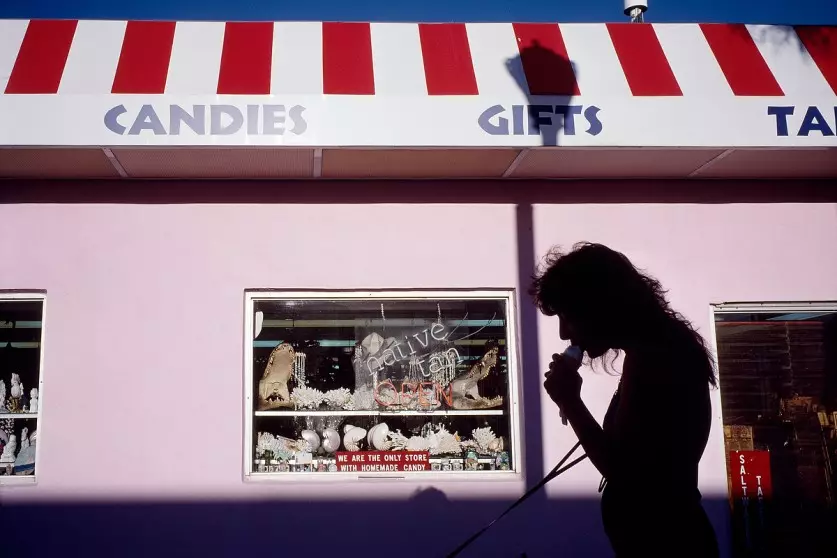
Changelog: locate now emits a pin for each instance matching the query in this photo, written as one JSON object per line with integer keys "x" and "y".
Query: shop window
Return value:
{"x": 386, "y": 384}
{"x": 777, "y": 368}
{"x": 21, "y": 357}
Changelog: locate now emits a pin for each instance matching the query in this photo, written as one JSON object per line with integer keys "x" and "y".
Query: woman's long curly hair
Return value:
{"x": 599, "y": 283}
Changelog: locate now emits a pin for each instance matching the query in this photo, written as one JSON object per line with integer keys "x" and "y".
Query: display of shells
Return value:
{"x": 331, "y": 440}
{"x": 311, "y": 439}
{"x": 353, "y": 435}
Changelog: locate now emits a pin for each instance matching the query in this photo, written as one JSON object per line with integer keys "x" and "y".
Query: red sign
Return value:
{"x": 750, "y": 475}
{"x": 751, "y": 491}
{"x": 382, "y": 461}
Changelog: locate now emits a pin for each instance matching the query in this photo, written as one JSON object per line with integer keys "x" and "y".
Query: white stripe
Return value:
{"x": 297, "y": 65}
{"x": 789, "y": 61}
{"x": 195, "y": 58}
{"x": 94, "y": 55}
{"x": 692, "y": 61}
{"x": 597, "y": 68}
{"x": 496, "y": 59}
{"x": 397, "y": 59}
{"x": 11, "y": 37}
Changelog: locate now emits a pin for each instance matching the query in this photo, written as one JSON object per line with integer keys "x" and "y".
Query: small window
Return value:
{"x": 392, "y": 384}
{"x": 777, "y": 370}
{"x": 21, "y": 358}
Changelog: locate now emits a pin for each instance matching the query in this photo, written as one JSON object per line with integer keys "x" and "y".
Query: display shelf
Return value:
{"x": 438, "y": 413}
{"x": 18, "y": 416}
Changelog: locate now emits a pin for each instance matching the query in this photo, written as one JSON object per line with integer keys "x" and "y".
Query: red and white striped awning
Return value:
{"x": 291, "y": 58}
{"x": 324, "y": 85}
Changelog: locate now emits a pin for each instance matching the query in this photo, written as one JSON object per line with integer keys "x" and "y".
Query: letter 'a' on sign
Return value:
{"x": 405, "y": 383}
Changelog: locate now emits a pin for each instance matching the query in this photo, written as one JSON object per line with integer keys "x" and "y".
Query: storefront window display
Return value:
{"x": 21, "y": 355}
{"x": 380, "y": 383}
{"x": 777, "y": 370}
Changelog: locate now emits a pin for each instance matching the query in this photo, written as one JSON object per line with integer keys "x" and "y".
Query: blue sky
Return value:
{"x": 740, "y": 11}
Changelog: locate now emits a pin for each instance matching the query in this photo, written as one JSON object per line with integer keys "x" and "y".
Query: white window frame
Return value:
{"x": 39, "y": 296}
{"x": 513, "y": 370}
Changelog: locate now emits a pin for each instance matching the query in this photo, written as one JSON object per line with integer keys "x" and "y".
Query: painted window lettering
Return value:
{"x": 813, "y": 121}
{"x": 529, "y": 119}
{"x": 215, "y": 120}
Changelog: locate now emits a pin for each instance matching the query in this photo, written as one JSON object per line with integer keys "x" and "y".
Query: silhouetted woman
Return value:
{"x": 656, "y": 428}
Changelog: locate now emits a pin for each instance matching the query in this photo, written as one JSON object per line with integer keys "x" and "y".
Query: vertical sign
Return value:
{"x": 752, "y": 490}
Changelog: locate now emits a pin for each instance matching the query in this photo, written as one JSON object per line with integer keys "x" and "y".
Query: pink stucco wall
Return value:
{"x": 143, "y": 369}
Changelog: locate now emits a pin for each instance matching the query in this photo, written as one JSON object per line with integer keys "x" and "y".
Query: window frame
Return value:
{"x": 740, "y": 307}
{"x": 508, "y": 295}
{"x": 40, "y": 296}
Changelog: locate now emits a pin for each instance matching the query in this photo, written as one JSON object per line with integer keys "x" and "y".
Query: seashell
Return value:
{"x": 347, "y": 428}
{"x": 378, "y": 437}
{"x": 312, "y": 439}
{"x": 331, "y": 440}
{"x": 352, "y": 437}
{"x": 369, "y": 434}
{"x": 496, "y": 444}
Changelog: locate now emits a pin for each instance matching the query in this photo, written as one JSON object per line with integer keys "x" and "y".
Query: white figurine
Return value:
{"x": 24, "y": 439}
{"x": 33, "y": 400}
{"x": 17, "y": 387}
{"x": 9, "y": 451}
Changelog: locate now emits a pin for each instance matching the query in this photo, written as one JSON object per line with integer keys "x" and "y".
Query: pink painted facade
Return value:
{"x": 143, "y": 369}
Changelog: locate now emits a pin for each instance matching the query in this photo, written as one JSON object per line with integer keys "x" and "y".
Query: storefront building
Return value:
{"x": 263, "y": 284}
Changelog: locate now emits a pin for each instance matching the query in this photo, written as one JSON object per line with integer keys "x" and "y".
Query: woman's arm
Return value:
{"x": 589, "y": 433}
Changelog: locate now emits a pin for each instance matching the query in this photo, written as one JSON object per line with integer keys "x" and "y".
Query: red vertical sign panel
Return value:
{"x": 752, "y": 489}
{"x": 750, "y": 474}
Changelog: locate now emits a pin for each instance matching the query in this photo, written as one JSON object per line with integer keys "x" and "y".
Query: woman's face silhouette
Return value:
{"x": 583, "y": 333}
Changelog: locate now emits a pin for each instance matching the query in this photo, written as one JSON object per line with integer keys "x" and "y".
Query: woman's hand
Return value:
{"x": 563, "y": 382}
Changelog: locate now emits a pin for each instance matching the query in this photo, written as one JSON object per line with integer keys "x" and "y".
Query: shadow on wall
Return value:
{"x": 548, "y": 80}
{"x": 421, "y": 527}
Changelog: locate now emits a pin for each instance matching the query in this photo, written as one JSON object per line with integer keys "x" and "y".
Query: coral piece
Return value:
{"x": 306, "y": 398}
{"x": 362, "y": 400}
{"x": 398, "y": 440}
{"x": 443, "y": 442}
{"x": 337, "y": 398}
{"x": 482, "y": 439}
{"x": 417, "y": 443}
{"x": 282, "y": 448}
{"x": 273, "y": 387}
{"x": 465, "y": 389}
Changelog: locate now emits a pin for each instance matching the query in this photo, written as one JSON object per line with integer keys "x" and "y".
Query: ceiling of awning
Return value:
{"x": 291, "y": 163}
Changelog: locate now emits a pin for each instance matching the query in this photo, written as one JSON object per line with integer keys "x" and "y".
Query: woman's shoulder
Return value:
{"x": 682, "y": 367}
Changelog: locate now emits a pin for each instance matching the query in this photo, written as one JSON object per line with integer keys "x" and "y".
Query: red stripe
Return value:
{"x": 741, "y": 62}
{"x": 821, "y": 43}
{"x": 144, "y": 60}
{"x": 643, "y": 60}
{"x": 448, "y": 68}
{"x": 42, "y": 56}
{"x": 544, "y": 57}
{"x": 347, "y": 59}
{"x": 246, "y": 59}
